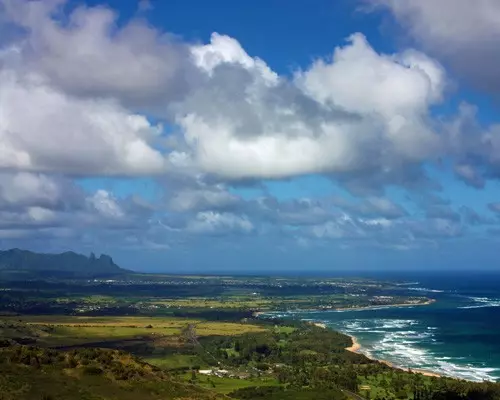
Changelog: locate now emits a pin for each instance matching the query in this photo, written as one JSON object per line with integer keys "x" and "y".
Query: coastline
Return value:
{"x": 355, "y": 347}
{"x": 360, "y": 308}
{"x": 425, "y": 303}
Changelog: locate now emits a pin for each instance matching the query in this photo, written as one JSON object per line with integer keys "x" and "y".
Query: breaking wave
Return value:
{"x": 418, "y": 289}
{"x": 480, "y": 302}
{"x": 408, "y": 344}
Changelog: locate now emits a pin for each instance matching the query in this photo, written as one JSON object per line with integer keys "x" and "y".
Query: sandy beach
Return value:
{"x": 356, "y": 347}
{"x": 426, "y": 303}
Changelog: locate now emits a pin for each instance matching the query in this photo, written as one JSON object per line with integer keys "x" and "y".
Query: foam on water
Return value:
{"x": 402, "y": 342}
{"x": 480, "y": 302}
{"x": 419, "y": 289}
{"x": 413, "y": 342}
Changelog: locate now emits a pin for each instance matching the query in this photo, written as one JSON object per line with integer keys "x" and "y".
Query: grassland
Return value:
{"x": 257, "y": 359}
{"x": 184, "y": 324}
{"x": 166, "y": 339}
{"x": 228, "y": 385}
{"x": 77, "y": 330}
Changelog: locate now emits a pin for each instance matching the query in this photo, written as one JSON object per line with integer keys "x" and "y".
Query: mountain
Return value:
{"x": 23, "y": 264}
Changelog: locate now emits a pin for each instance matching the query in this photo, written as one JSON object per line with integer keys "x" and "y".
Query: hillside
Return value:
{"x": 33, "y": 373}
{"x": 23, "y": 264}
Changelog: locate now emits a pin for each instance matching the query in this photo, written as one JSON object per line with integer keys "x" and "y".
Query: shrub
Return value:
{"x": 92, "y": 370}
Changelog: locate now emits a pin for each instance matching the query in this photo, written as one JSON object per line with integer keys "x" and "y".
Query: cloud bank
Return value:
{"x": 83, "y": 95}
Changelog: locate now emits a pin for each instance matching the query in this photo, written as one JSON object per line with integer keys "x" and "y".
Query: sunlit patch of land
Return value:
{"x": 74, "y": 330}
{"x": 202, "y": 336}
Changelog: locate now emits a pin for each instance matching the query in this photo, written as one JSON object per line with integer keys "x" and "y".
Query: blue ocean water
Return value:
{"x": 458, "y": 335}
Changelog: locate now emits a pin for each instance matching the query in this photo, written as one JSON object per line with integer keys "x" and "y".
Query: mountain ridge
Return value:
{"x": 26, "y": 264}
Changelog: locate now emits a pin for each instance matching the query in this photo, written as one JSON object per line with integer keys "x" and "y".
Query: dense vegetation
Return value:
{"x": 250, "y": 360}
{"x": 36, "y": 373}
{"x": 164, "y": 337}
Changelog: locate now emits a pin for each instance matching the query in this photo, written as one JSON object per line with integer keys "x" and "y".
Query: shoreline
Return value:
{"x": 425, "y": 303}
{"x": 356, "y": 348}
{"x": 360, "y": 308}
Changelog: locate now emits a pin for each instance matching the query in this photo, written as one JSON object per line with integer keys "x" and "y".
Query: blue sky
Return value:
{"x": 259, "y": 136}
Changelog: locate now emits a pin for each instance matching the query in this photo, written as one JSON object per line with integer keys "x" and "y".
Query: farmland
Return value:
{"x": 200, "y": 337}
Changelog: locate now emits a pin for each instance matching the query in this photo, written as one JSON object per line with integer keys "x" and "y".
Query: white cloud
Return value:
{"x": 105, "y": 204}
{"x": 90, "y": 54}
{"x": 223, "y": 49}
{"x": 342, "y": 227}
{"x": 363, "y": 81}
{"x": 395, "y": 91}
{"x": 79, "y": 92}
{"x": 462, "y": 32}
{"x": 42, "y": 129}
{"x": 87, "y": 80}
{"x": 25, "y": 189}
{"x": 210, "y": 222}
{"x": 475, "y": 148}
{"x": 371, "y": 206}
{"x": 203, "y": 198}
{"x": 296, "y": 212}
{"x": 282, "y": 130}
{"x": 40, "y": 202}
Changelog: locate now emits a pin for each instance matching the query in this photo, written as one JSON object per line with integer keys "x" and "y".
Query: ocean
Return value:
{"x": 458, "y": 335}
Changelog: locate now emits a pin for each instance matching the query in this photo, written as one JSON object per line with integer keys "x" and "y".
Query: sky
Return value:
{"x": 263, "y": 136}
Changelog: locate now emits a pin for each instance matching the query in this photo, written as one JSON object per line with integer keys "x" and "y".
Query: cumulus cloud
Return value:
{"x": 31, "y": 203}
{"x": 371, "y": 207}
{"x": 73, "y": 89}
{"x": 204, "y": 197}
{"x": 90, "y": 54}
{"x": 24, "y": 189}
{"x": 355, "y": 230}
{"x": 463, "y": 33}
{"x": 213, "y": 223}
{"x": 363, "y": 111}
{"x": 106, "y": 205}
{"x": 297, "y": 212}
{"x": 343, "y": 227}
{"x": 359, "y": 114}
{"x": 83, "y": 94}
{"x": 42, "y": 129}
{"x": 222, "y": 50}
{"x": 475, "y": 148}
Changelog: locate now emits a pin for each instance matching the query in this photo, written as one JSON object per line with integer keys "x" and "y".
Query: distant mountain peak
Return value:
{"x": 26, "y": 264}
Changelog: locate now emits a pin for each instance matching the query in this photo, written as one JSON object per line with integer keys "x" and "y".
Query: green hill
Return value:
{"x": 23, "y": 264}
{"x": 32, "y": 373}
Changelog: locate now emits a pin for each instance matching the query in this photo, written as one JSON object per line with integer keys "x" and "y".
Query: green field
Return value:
{"x": 70, "y": 331}
{"x": 181, "y": 337}
{"x": 228, "y": 385}
{"x": 174, "y": 361}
